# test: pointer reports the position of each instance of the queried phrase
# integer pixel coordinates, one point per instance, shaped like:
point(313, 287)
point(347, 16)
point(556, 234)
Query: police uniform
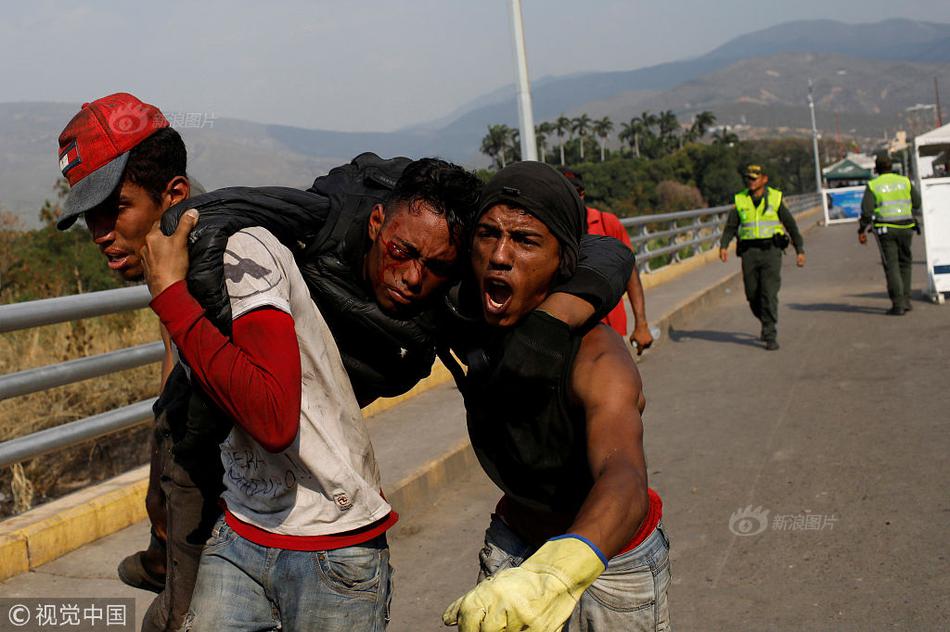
point(763, 226)
point(888, 205)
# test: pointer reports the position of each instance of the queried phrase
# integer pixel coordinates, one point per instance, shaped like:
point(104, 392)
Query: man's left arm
point(606, 383)
point(788, 221)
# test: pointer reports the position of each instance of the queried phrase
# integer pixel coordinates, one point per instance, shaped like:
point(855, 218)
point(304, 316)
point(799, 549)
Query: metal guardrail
point(34, 380)
point(681, 235)
point(18, 316)
point(67, 435)
point(57, 310)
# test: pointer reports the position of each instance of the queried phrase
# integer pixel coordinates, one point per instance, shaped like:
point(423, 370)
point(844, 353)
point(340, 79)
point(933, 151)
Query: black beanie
point(547, 195)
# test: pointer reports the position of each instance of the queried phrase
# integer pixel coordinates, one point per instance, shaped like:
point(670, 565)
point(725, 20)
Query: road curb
point(63, 525)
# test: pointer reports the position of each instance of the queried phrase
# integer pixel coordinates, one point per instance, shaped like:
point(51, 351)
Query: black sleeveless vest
point(527, 436)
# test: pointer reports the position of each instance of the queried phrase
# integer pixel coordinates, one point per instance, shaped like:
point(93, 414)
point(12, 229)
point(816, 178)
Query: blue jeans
point(246, 587)
point(631, 595)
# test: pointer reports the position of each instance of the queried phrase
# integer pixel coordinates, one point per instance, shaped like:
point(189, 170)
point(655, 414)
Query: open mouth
point(116, 261)
point(497, 296)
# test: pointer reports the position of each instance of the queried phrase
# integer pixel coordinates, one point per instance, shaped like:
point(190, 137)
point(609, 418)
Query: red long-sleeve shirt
point(254, 376)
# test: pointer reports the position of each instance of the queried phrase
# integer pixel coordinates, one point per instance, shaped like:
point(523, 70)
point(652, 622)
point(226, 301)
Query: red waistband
point(528, 529)
point(654, 514)
point(310, 542)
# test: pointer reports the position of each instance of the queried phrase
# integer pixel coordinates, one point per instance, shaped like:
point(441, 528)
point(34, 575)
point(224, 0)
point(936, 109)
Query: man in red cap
point(125, 166)
point(603, 223)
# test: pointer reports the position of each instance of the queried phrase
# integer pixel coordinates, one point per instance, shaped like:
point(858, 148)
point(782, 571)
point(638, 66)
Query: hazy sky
point(362, 64)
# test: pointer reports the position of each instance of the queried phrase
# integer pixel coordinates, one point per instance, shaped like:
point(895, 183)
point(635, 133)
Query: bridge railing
point(19, 316)
point(659, 239)
point(666, 238)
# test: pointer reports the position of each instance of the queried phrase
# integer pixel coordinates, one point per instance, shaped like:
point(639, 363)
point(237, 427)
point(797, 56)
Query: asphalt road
point(836, 445)
point(804, 489)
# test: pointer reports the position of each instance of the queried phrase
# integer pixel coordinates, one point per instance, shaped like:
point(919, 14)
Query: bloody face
point(413, 255)
point(515, 258)
point(119, 226)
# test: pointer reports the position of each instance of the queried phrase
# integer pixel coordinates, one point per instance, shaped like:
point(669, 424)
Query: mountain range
point(863, 84)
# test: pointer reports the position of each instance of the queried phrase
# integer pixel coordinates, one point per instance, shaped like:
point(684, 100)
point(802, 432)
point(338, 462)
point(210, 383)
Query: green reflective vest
point(759, 222)
point(892, 201)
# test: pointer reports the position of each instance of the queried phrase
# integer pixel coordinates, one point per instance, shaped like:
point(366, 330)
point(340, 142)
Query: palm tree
point(701, 124)
point(646, 139)
point(496, 142)
point(580, 126)
point(541, 135)
point(668, 124)
point(602, 129)
point(724, 137)
point(562, 125)
point(630, 133)
point(514, 144)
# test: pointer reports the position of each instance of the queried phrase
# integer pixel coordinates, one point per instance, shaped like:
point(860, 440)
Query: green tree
point(647, 140)
point(602, 128)
point(701, 124)
point(669, 125)
point(723, 136)
point(630, 133)
point(541, 135)
point(496, 144)
point(581, 127)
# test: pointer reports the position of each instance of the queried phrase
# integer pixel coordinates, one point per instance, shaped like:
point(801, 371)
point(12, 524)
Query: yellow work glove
point(537, 596)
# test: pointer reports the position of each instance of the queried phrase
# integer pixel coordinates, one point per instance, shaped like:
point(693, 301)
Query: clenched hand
point(165, 259)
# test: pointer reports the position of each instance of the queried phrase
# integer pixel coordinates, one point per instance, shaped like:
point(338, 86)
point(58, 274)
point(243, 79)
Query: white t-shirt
point(327, 481)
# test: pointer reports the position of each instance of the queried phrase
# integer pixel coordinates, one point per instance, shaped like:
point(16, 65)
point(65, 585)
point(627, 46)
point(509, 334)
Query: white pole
point(529, 148)
point(814, 139)
point(814, 145)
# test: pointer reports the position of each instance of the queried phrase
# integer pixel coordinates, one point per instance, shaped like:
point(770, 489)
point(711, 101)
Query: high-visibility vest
point(759, 222)
point(892, 201)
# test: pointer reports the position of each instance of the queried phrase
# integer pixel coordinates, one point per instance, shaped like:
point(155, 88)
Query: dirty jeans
point(191, 487)
point(245, 587)
point(630, 596)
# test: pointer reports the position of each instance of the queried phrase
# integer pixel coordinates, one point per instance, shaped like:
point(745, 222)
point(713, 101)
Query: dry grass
point(53, 475)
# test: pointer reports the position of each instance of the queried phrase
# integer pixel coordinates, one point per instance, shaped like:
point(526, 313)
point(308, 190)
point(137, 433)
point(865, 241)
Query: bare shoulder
point(604, 367)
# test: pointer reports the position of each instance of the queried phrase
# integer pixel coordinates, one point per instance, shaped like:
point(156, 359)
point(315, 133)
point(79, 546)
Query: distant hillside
point(920, 42)
point(869, 95)
point(758, 78)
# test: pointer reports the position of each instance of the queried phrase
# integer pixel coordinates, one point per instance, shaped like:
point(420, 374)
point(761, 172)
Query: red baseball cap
point(94, 149)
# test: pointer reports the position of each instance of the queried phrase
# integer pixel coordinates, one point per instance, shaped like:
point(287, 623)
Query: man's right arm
point(728, 232)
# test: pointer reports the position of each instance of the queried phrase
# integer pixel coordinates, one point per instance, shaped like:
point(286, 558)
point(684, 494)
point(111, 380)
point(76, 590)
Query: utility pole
point(529, 148)
point(814, 138)
point(937, 97)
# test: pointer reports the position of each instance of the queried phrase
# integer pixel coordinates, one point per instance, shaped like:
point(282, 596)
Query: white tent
point(932, 174)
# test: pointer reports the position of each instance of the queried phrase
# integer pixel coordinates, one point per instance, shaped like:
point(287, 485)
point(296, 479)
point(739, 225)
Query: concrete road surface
point(837, 444)
point(804, 489)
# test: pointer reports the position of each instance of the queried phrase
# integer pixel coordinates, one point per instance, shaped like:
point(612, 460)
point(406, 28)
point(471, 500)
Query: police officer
point(891, 205)
point(761, 220)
